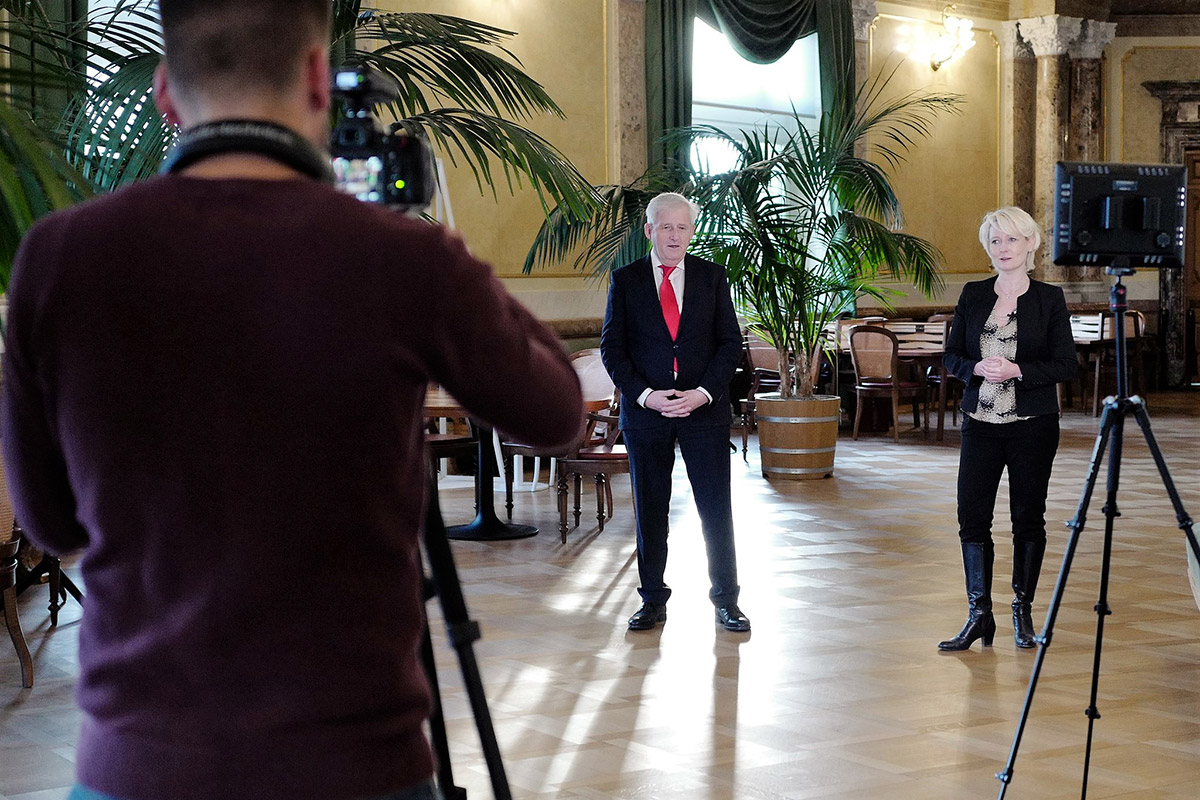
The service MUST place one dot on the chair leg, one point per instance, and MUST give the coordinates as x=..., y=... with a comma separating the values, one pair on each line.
x=537, y=473
x=578, y=491
x=896, y=415
x=58, y=597
x=858, y=405
x=13, y=623
x=509, y=466
x=562, y=507
x=600, y=499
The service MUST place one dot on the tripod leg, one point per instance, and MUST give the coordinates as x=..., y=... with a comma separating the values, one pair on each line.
x=462, y=632
x=437, y=721
x=1185, y=521
x=1043, y=641
x=1118, y=409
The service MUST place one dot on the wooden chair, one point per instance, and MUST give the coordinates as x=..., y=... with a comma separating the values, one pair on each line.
x=10, y=542
x=875, y=353
x=598, y=454
x=448, y=445
x=933, y=375
x=762, y=360
x=599, y=395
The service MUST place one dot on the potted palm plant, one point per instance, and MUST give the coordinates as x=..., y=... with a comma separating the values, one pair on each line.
x=805, y=226
x=460, y=87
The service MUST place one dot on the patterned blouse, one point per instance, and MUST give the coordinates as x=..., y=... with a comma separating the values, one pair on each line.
x=998, y=401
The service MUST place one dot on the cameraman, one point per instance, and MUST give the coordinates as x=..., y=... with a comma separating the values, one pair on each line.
x=213, y=385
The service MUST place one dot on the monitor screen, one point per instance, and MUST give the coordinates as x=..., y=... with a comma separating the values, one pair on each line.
x=1104, y=212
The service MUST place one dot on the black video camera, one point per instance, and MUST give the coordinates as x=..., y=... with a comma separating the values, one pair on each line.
x=391, y=168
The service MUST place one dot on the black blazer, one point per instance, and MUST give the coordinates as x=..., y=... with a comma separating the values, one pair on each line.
x=639, y=354
x=1045, y=347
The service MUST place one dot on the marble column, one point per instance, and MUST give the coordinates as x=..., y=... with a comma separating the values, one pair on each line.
x=863, y=14
x=1050, y=37
x=1019, y=76
x=1085, y=138
x=627, y=91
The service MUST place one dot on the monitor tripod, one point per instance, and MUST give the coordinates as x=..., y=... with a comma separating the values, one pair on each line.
x=462, y=632
x=1112, y=426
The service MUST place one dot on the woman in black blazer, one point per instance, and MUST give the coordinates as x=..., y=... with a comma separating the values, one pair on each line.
x=1011, y=344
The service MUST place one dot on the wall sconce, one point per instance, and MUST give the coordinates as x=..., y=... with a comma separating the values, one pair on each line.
x=955, y=39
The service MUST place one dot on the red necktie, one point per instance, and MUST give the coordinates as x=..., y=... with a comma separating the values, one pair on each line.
x=670, y=305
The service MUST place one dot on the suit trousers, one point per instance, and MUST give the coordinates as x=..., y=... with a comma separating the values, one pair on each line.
x=1026, y=448
x=705, y=451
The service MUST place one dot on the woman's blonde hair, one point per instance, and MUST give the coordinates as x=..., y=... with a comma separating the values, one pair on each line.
x=1016, y=222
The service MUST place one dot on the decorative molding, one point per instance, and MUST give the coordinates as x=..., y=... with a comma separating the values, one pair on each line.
x=1012, y=46
x=1093, y=39
x=1051, y=35
x=864, y=13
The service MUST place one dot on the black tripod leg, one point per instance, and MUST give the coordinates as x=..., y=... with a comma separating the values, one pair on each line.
x=1076, y=525
x=1185, y=521
x=463, y=632
x=1111, y=512
x=437, y=720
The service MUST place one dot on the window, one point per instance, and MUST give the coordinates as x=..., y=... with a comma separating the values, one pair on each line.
x=733, y=94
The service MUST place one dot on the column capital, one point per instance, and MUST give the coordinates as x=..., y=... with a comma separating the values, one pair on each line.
x=1050, y=35
x=863, y=13
x=1012, y=45
x=1094, y=37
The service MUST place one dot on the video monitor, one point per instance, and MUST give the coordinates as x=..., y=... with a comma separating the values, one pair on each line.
x=1104, y=212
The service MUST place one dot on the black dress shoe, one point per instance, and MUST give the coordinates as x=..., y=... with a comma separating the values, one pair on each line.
x=732, y=618
x=649, y=615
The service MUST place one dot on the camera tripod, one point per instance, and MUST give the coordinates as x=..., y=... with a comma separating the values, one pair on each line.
x=462, y=632
x=1112, y=426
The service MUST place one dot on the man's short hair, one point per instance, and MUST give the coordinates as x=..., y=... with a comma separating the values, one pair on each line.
x=661, y=202
x=232, y=45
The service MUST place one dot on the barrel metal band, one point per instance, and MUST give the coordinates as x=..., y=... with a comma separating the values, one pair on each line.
x=795, y=471
x=798, y=451
x=798, y=419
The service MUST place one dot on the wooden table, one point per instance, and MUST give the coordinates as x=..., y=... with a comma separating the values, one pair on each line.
x=487, y=526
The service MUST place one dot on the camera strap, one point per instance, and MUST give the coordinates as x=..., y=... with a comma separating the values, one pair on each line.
x=248, y=136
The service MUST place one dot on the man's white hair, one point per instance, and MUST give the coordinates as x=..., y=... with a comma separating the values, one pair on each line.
x=667, y=200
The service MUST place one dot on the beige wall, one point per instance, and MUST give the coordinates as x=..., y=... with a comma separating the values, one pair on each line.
x=1134, y=114
x=562, y=44
x=952, y=178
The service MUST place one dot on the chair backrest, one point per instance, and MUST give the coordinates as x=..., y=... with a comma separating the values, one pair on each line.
x=1087, y=327
x=844, y=326
x=1135, y=325
x=874, y=351
x=919, y=335
x=760, y=354
x=593, y=377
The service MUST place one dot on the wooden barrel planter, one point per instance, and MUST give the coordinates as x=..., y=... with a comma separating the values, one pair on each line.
x=797, y=437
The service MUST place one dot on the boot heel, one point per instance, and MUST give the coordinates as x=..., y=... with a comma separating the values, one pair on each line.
x=989, y=631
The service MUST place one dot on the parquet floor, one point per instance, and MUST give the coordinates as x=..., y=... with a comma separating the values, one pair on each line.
x=839, y=691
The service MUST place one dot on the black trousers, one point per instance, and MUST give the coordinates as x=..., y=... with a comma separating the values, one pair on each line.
x=1026, y=448
x=705, y=452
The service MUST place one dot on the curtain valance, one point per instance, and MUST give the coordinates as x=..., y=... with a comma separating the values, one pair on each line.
x=761, y=31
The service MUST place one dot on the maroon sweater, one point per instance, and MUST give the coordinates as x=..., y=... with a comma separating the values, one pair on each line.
x=215, y=389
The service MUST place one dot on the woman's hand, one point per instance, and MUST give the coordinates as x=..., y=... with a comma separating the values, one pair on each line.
x=996, y=369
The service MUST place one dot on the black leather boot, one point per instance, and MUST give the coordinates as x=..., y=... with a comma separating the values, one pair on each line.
x=977, y=564
x=1027, y=565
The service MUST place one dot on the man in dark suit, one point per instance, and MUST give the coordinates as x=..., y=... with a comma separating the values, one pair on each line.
x=671, y=343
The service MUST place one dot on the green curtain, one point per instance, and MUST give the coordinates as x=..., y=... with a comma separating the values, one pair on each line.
x=760, y=30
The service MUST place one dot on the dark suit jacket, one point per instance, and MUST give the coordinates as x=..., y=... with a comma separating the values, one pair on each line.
x=638, y=351
x=1045, y=347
